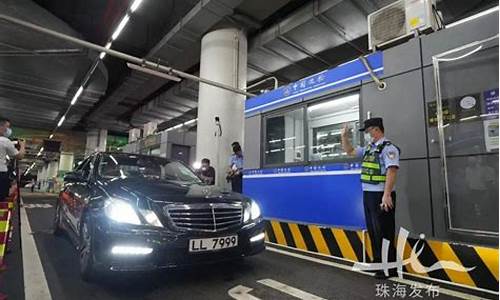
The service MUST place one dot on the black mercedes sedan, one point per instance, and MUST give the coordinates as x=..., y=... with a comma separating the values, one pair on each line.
x=129, y=212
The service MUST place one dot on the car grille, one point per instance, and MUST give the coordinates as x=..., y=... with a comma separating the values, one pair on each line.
x=210, y=217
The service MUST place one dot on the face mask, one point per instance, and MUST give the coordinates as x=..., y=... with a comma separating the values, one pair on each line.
x=7, y=133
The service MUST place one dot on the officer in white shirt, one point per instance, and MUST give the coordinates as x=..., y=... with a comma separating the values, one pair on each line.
x=7, y=148
x=380, y=163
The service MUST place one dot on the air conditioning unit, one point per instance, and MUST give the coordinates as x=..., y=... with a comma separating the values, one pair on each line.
x=400, y=20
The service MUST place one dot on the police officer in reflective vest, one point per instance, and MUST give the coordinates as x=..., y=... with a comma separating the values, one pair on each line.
x=378, y=176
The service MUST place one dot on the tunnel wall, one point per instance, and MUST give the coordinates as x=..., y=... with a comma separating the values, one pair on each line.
x=407, y=69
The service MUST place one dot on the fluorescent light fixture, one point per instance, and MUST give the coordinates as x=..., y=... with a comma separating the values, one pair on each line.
x=40, y=152
x=61, y=121
x=51, y=136
x=135, y=5
x=177, y=126
x=190, y=122
x=120, y=27
x=153, y=72
x=468, y=19
x=78, y=93
x=469, y=118
x=103, y=54
x=334, y=102
x=257, y=237
x=131, y=250
x=489, y=115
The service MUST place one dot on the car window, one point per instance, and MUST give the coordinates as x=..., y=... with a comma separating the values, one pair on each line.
x=141, y=166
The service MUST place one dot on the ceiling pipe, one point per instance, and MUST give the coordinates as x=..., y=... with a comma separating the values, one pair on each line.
x=264, y=80
x=124, y=56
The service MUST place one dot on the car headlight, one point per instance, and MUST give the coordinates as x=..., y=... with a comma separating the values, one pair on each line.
x=121, y=212
x=252, y=212
x=151, y=217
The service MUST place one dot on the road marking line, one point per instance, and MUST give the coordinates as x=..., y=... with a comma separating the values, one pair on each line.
x=348, y=268
x=35, y=282
x=241, y=292
x=35, y=205
x=290, y=290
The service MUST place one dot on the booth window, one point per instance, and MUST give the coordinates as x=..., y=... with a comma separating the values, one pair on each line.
x=325, y=122
x=284, y=141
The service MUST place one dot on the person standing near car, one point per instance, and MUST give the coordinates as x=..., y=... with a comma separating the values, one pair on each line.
x=207, y=172
x=235, y=172
x=380, y=163
x=7, y=148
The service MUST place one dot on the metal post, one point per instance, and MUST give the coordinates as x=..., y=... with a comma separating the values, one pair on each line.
x=121, y=55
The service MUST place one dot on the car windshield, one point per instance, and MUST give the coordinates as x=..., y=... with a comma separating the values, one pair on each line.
x=140, y=166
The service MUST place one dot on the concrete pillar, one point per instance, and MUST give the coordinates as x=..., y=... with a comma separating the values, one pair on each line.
x=134, y=134
x=52, y=169
x=150, y=128
x=43, y=177
x=164, y=144
x=66, y=160
x=223, y=59
x=96, y=141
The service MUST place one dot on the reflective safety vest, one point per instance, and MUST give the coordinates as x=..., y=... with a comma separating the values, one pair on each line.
x=371, y=169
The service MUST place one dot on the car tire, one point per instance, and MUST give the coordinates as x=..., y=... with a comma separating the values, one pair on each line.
x=57, y=227
x=86, y=252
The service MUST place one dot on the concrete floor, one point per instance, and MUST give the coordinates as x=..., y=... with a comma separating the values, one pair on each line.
x=270, y=275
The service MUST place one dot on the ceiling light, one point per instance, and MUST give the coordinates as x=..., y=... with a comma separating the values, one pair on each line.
x=334, y=102
x=153, y=72
x=120, y=27
x=51, y=136
x=78, y=93
x=136, y=5
x=103, y=54
x=61, y=121
x=190, y=122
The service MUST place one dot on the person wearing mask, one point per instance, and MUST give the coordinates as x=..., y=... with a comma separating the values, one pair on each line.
x=207, y=172
x=7, y=148
x=235, y=172
x=380, y=163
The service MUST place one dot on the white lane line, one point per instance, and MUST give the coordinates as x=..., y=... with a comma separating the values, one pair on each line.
x=45, y=205
x=290, y=290
x=348, y=268
x=35, y=282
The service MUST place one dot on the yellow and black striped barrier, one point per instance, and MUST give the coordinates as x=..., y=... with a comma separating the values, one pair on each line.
x=348, y=244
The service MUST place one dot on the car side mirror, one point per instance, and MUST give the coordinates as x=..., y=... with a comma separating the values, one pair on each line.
x=75, y=176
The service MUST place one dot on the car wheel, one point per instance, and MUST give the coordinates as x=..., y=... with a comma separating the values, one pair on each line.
x=58, y=228
x=87, y=267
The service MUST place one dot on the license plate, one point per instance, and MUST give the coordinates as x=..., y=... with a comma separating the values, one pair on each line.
x=212, y=244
